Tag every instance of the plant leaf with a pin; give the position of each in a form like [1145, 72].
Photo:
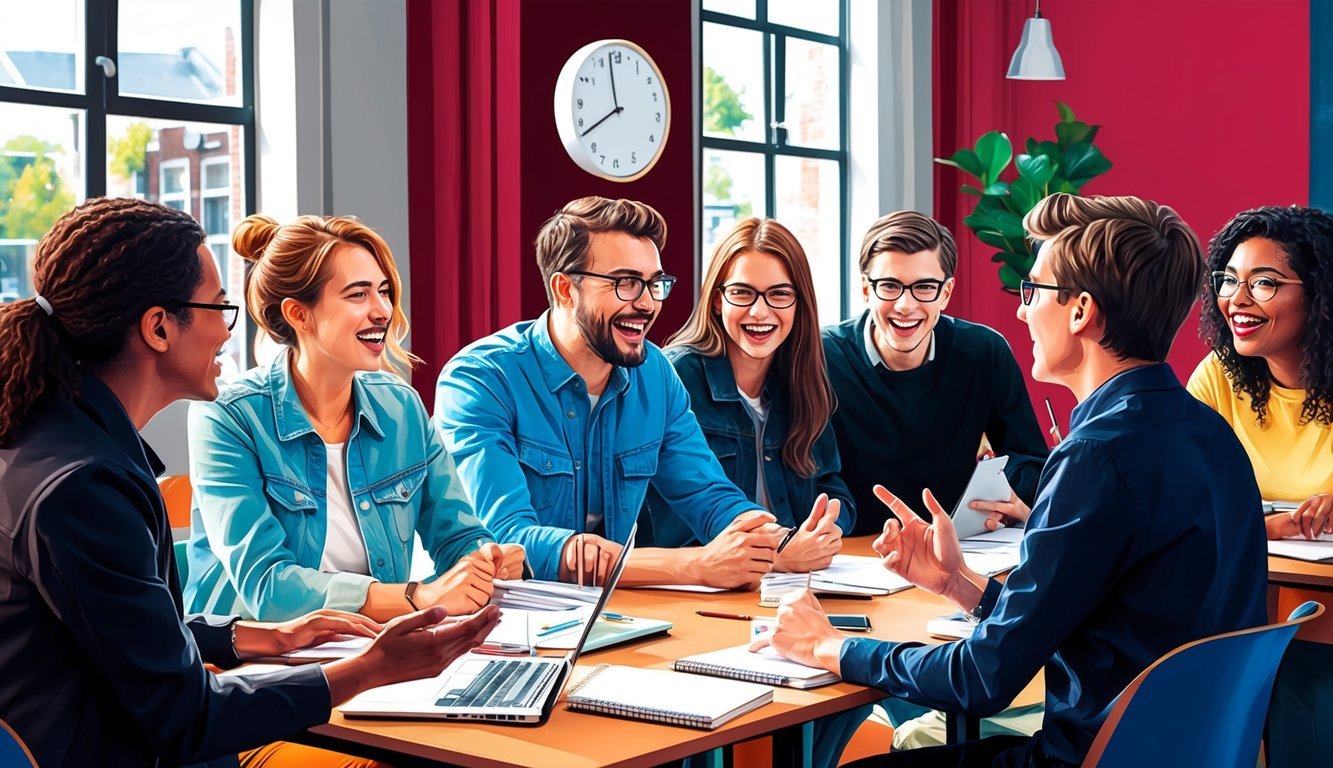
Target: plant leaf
[1066, 114]
[1026, 193]
[966, 160]
[1083, 161]
[1010, 278]
[1010, 224]
[971, 190]
[997, 189]
[992, 238]
[1071, 133]
[994, 151]
[1036, 168]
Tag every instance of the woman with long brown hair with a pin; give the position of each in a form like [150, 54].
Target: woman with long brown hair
[751, 358]
[97, 665]
[313, 473]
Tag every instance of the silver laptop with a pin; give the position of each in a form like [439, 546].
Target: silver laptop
[487, 688]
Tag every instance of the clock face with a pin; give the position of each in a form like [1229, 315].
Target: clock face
[612, 109]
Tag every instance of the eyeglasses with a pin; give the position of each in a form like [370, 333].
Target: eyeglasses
[630, 288]
[1027, 290]
[889, 289]
[742, 295]
[230, 312]
[1261, 287]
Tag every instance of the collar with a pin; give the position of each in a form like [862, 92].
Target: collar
[289, 414]
[721, 379]
[101, 405]
[556, 371]
[872, 352]
[1145, 378]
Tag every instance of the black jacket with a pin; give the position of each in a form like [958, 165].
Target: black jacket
[97, 666]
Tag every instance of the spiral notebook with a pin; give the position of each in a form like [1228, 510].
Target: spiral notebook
[663, 696]
[764, 666]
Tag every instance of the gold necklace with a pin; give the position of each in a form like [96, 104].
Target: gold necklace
[334, 427]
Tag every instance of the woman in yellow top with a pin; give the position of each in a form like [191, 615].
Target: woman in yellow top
[1270, 374]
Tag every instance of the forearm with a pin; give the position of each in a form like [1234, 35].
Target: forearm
[654, 565]
[967, 588]
[386, 601]
[348, 677]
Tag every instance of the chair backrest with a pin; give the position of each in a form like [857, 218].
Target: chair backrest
[13, 752]
[176, 495]
[1202, 704]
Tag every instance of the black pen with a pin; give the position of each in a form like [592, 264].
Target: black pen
[1055, 425]
[791, 533]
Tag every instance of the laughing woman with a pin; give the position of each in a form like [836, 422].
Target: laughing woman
[751, 359]
[312, 474]
[1270, 375]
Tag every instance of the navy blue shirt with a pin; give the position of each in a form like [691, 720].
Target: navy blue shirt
[1143, 538]
[729, 429]
[96, 665]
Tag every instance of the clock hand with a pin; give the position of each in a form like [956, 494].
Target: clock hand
[611, 67]
[615, 111]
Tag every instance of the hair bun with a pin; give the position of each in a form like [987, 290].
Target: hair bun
[252, 236]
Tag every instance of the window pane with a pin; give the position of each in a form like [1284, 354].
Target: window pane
[177, 164]
[41, 44]
[733, 83]
[733, 190]
[809, 203]
[743, 8]
[41, 177]
[813, 85]
[182, 50]
[803, 14]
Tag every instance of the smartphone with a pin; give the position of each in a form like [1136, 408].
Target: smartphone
[852, 622]
[987, 483]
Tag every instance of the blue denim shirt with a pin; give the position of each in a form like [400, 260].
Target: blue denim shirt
[259, 472]
[1143, 537]
[535, 456]
[729, 429]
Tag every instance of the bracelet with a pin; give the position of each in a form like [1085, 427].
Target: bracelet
[409, 592]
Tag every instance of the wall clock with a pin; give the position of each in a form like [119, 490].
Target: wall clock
[612, 109]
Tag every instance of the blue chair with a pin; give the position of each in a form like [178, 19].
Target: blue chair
[1202, 704]
[13, 752]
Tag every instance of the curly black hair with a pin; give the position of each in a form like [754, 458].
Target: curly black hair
[1306, 237]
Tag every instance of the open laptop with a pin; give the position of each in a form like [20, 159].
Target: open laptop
[487, 688]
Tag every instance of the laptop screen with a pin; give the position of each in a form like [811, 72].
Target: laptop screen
[607, 588]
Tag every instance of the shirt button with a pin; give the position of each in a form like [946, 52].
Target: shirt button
[379, 561]
[768, 458]
[578, 465]
[403, 493]
[546, 464]
[570, 414]
[365, 505]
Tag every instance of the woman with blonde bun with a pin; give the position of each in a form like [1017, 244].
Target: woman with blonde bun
[312, 473]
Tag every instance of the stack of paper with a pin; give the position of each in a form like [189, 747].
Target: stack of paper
[847, 576]
[543, 595]
[663, 696]
[1318, 551]
[994, 552]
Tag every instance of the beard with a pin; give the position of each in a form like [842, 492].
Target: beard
[600, 337]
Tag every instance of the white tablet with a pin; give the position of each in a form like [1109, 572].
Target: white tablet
[988, 483]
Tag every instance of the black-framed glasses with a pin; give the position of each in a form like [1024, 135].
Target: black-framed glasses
[1261, 287]
[230, 312]
[890, 288]
[742, 295]
[630, 288]
[1027, 290]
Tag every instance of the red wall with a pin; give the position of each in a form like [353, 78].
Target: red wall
[1204, 106]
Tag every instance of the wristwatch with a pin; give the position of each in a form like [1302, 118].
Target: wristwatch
[409, 592]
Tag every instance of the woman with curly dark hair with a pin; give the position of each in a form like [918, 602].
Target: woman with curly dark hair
[1269, 322]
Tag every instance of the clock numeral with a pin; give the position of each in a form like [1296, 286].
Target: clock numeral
[580, 122]
[594, 147]
[601, 62]
[654, 99]
[636, 67]
[652, 138]
[659, 117]
[633, 158]
[650, 79]
[615, 57]
[581, 101]
[603, 159]
[615, 163]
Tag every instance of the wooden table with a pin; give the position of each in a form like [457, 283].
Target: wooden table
[577, 740]
[1292, 582]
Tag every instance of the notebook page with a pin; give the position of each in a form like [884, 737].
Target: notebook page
[766, 661]
[662, 690]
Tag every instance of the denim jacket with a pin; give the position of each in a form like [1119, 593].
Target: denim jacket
[259, 472]
[535, 457]
[729, 429]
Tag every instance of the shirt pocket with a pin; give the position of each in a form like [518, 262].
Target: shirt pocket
[550, 481]
[293, 505]
[634, 469]
[727, 449]
[399, 498]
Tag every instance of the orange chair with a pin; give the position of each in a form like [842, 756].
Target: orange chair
[176, 493]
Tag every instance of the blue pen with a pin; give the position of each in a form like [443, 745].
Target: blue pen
[557, 627]
[617, 617]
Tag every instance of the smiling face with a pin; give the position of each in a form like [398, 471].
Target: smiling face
[758, 330]
[1269, 329]
[1056, 353]
[613, 328]
[349, 323]
[192, 367]
[903, 325]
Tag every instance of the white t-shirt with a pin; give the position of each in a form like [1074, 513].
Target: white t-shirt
[344, 547]
[759, 415]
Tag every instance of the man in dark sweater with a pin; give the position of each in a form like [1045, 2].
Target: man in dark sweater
[917, 389]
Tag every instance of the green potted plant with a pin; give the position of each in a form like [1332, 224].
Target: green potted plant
[1048, 167]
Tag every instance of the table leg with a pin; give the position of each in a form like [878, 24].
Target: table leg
[792, 746]
[959, 728]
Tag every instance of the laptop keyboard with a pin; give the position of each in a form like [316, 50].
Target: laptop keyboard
[502, 683]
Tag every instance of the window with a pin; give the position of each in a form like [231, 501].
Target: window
[137, 98]
[774, 133]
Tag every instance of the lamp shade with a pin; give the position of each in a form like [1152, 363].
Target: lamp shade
[1036, 57]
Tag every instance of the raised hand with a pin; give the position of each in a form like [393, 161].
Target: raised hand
[816, 541]
[741, 554]
[926, 554]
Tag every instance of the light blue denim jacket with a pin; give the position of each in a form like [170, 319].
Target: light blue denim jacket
[259, 472]
[534, 456]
